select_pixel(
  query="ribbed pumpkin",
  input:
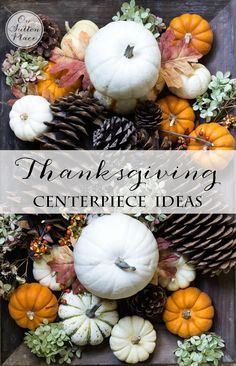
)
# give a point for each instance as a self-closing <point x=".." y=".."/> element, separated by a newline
<point x="195" y="30"/>
<point x="49" y="87"/>
<point x="188" y="312"/>
<point x="31" y="303"/>
<point x="178" y="116"/>
<point x="217" y="138"/>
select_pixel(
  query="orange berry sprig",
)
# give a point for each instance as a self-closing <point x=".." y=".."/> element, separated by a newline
<point x="74" y="230"/>
<point x="40" y="246"/>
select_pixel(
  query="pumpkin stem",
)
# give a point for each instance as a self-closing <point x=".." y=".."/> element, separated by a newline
<point x="129" y="51"/>
<point x="186" y="314"/>
<point x="188" y="37"/>
<point x="91" y="312"/>
<point x="136" y="340"/>
<point x="30" y="315"/>
<point x="205" y="142"/>
<point x="172" y="119"/>
<point x="124" y="265"/>
<point x="67" y="26"/>
<point x="24" y="116"/>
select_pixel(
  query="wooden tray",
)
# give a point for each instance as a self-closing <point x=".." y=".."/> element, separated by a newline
<point x="222" y="14"/>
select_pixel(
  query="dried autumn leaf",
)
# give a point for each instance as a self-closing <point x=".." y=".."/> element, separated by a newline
<point x="167" y="259"/>
<point x="63" y="264"/>
<point x="176" y="59"/>
<point x="17" y="92"/>
<point x="73" y="69"/>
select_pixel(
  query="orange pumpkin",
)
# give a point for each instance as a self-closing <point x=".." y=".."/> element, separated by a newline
<point x="178" y="116"/>
<point x="49" y="87"/>
<point x="195" y="30"/>
<point x="217" y="138"/>
<point x="31" y="303"/>
<point x="188" y="312"/>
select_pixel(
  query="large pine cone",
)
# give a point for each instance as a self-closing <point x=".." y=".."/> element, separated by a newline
<point x="75" y="117"/>
<point x="115" y="134"/>
<point x="148" y="303"/>
<point x="208" y="241"/>
<point x="148" y="115"/>
<point x="50" y="39"/>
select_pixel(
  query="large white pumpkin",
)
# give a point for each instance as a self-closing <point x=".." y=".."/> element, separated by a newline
<point x="116" y="256"/>
<point x="123" y="60"/>
<point x="28" y="115"/>
<point x="86" y="318"/>
<point x="194" y="85"/>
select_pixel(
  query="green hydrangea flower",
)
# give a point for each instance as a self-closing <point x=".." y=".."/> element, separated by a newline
<point x="22" y="68"/>
<point x="51" y="342"/>
<point x="201" y="350"/>
<point x="130" y="11"/>
<point x="220" y="96"/>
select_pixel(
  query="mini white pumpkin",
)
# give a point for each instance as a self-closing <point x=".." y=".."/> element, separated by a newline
<point x="127" y="106"/>
<point x="133" y="339"/>
<point x="43" y="273"/>
<point x="123" y="60"/>
<point x="184" y="275"/>
<point x="86" y="318"/>
<point x="116" y="256"/>
<point x="28" y="115"/>
<point x="77" y="38"/>
<point x="194" y="85"/>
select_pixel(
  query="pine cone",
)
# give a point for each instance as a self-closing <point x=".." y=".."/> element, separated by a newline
<point x="50" y="39"/>
<point x="166" y="144"/>
<point x="76" y="116"/>
<point x="208" y="241"/>
<point x="148" y="303"/>
<point x="115" y="134"/>
<point x="146" y="140"/>
<point x="148" y="115"/>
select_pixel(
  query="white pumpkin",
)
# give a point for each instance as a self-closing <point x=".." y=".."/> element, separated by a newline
<point x="133" y="339"/>
<point x="194" y="85"/>
<point x="77" y="38"/>
<point x="123" y="60"/>
<point x="43" y="273"/>
<point x="116" y="256"/>
<point x="127" y="106"/>
<point x="86" y="318"/>
<point x="184" y="275"/>
<point x="28" y="115"/>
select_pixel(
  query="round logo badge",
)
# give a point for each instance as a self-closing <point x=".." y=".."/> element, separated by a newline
<point x="24" y="29"/>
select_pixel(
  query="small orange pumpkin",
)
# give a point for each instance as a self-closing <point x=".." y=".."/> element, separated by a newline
<point x="31" y="303"/>
<point x="195" y="30"/>
<point x="217" y="138"/>
<point x="178" y="116"/>
<point x="49" y="87"/>
<point x="188" y="312"/>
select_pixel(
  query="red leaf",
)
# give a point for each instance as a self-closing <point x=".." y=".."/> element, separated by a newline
<point x="163" y="244"/>
<point x="167" y="259"/>
<point x="11" y="102"/>
<point x="176" y="59"/>
<point x="74" y="69"/>
<point x="63" y="265"/>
